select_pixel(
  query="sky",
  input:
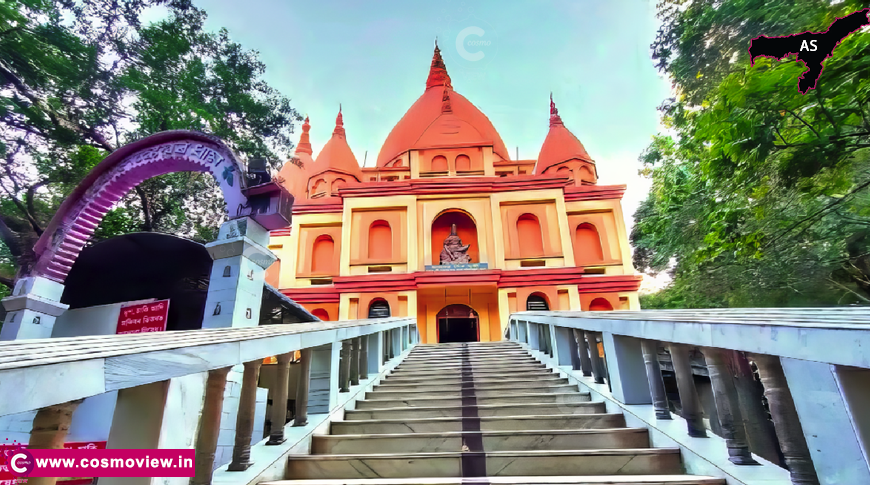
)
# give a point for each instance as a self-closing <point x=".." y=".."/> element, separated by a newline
<point x="505" y="56"/>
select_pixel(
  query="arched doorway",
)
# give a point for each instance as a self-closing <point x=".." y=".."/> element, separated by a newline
<point x="379" y="309"/>
<point x="537" y="303"/>
<point x="466" y="229"/>
<point x="458" y="323"/>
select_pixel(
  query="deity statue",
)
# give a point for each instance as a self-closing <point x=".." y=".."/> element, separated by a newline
<point x="454" y="252"/>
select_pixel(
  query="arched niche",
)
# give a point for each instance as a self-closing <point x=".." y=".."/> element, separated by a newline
<point x="466" y="229"/>
<point x="379" y="308"/>
<point x="537" y="302"/>
<point x="587" y="245"/>
<point x="321" y="314"/>
<point x="531" y="238"/>
<point x="600" y="305"/>
<point x="463" y="163"/>
<point x="439" y="164"/>
<point x="323" y="256"/>
<point x="380" y="240"/>
<point x="125" y="168"/>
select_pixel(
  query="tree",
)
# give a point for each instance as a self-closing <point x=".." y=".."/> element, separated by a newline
<point x="80" y="79"/>
<point x="760" y="196"/>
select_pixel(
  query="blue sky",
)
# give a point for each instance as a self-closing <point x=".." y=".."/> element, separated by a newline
<point x="373" y="58"/>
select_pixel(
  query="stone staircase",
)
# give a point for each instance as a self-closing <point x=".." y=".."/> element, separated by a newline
<point x="483" y="413"/>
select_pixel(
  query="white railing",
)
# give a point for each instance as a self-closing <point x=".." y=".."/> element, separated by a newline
<point x="808" y="369"/>
<point x="53" y="376"/>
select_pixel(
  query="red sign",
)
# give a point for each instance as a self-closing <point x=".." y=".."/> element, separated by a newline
<point x="143" y="317"/>
<point x="7" y="450"/>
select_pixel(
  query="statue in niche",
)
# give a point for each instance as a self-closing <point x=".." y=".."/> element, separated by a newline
<point x="454" y="252"/>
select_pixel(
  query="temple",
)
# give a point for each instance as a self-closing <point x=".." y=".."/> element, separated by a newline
<point x="448" y="228"/>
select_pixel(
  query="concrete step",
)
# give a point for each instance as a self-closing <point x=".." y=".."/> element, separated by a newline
<point x="665" y="461"/>
<point x="481" y="410"/>
<point x="475" y="383"/>
<point x="507" y="363"/>
<point x="588" y="480"/>
<point x="390" y="380"/>
<point x="490" y="391"/>
<point x="595" y="439"/>
<point x="495" y="423"/>
<point x="537" y="398"/>
<point x="484" y="352"/>
<point x="474" y="373"/>
<point x="474" y="360"/>
<point x="457" y="345"/>
<point x="461" y="369"/>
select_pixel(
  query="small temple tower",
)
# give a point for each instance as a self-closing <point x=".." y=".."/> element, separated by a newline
<point x="448" y="228"/>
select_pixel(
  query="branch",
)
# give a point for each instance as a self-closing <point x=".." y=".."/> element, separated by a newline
<point x="804" y="122"/>
<point x="862" y="298"/>
<point x="146" y="209"/>
<point x="29" y="196"/>
<point x="818" y="212"/>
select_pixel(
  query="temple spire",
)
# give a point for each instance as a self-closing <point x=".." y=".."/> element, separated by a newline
<point x="438" y="71"/>
<point x="304" y="145"/>
<point x="339" y="124"/>
<point x="555" y="119"/>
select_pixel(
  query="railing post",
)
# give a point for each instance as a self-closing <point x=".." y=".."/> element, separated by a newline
<point x="789" y="431"/>
<point x="595" y="358"/>
<point x="727" y="407"/>
<point x="344" y="367"/>
<point x="279" y="399"/>
<point x="363" y="357"/>
<point x="759" y="429"/>
<point x="690" y="403"/>
<point x="650" y="349"/>
<point x="391" y="344"/>
<point x="583" y="351"/>
<point x="50" y="427"/>
<point x="209" y="425"/>
<point x="245" y="417"/>
<point x="354" y="361"/>
<point x="302" y="385"/>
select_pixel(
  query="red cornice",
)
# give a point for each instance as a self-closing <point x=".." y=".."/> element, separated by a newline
<point x="312" y="294"/>
<point x="458" y="278"/>
<point x="594" y="192"/>
<point x="280" y="232"/>
<point x="609" y="283"/>
<point x="453" y="185"/>
<point x="329" y="206"/>
<point x="376" y="282"/>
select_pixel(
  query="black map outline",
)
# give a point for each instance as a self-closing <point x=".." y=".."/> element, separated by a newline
<point x="789" y="45"/>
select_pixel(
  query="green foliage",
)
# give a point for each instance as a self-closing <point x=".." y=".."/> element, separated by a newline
<point x="79" y="79"/>
<point x="760" y="194"/>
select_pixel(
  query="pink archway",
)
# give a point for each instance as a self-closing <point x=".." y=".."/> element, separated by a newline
<point x="171" y="151"/>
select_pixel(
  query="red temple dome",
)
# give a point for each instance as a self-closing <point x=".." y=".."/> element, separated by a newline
<point x="560" y="145"/>
<point x="336" y="155"/>
<point x="410" y="130"/>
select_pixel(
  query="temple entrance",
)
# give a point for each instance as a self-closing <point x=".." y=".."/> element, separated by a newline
<point x="458" y="323"/>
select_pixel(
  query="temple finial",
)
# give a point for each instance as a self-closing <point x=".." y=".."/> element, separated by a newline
<point x="339" y="123"/>
<point x="304" y="145"/>
<point x="555" y="119"/>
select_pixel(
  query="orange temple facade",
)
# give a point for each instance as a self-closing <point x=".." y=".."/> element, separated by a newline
<point x="369" y="242"/>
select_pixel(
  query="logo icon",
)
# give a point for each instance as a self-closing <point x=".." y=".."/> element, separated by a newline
<point x="21" y="463"/>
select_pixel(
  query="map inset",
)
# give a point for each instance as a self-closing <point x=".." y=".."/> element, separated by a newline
<point x="811" y="48"/>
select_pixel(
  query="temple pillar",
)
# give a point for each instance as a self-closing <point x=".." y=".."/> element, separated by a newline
<point x="278" y="416"/>
<point x="245" y="417"/>
<point x="363" y="357"/>
<point x="32" y="308"/>
<point x="789" y="431"/>
<point x="583" y="351"/>
<point x="354" y="361"/>
<point x="690" y="403"/>
<point x="235" y="288"/>
<point x="301" y="418"/>
<point x="728" y="407"/>
<point x="650" y="349"/>
<point x="759" y="429"/>
<point x="209" y="426"/>
<point x="50" y="427"/>
<point x="595" y="358"/>
<point x="344" y="367"/>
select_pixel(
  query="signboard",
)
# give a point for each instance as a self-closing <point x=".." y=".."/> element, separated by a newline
<point x="456" y="267"/>
<point x="143" y="317"/>
<point x="6" y="451"/>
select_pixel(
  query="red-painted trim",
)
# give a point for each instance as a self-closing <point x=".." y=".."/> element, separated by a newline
<point x="609" y="283"/>
<point x="312" y="294"/>
<point x="378" y="282"/>
<point x="281" y="232"/>
<point x="594" y="192"/>
<point x="330" y="206"/>
<point x="453" y="185"/>
<point x="458" y="278"/>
